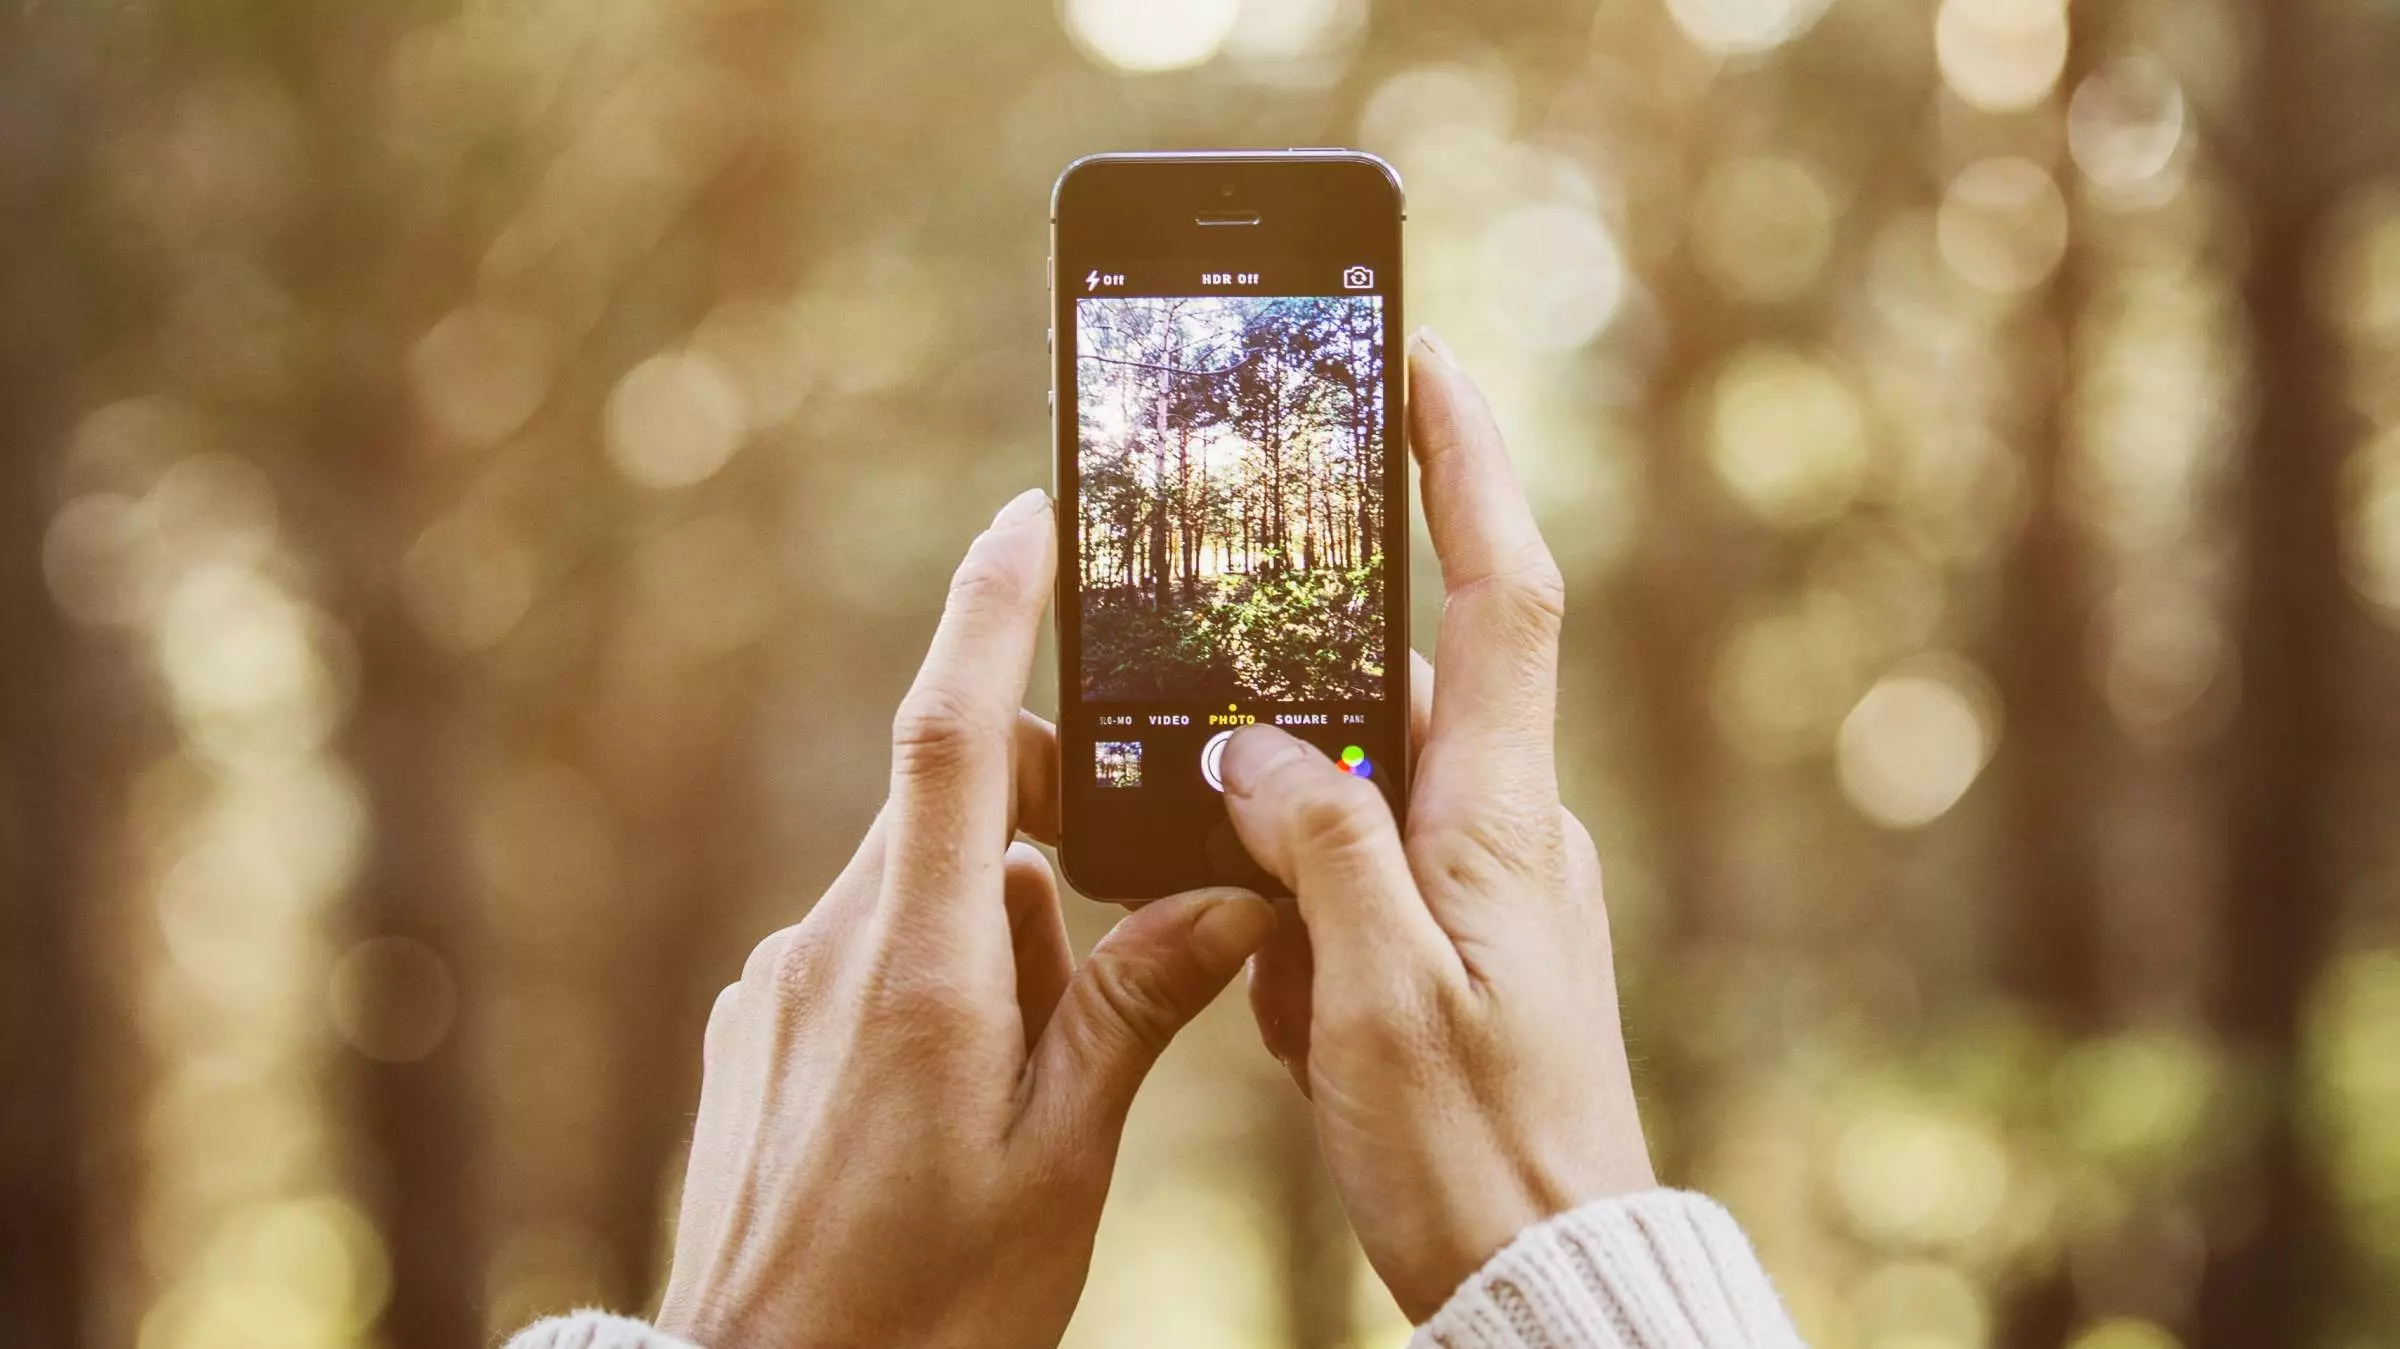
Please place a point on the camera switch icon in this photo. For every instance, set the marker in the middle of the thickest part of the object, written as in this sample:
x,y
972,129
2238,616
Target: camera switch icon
x,y
1358,278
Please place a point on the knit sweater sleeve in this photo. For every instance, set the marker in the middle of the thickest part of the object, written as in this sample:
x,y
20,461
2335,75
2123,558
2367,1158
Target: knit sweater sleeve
x,y
1665,1269
593,1330
1661,1270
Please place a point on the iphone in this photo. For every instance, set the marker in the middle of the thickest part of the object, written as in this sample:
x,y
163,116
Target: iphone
x,y
1228,382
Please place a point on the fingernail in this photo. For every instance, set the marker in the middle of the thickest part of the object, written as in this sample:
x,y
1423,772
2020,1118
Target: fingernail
x,y
1254,752
1021,507
1229,931
1432,341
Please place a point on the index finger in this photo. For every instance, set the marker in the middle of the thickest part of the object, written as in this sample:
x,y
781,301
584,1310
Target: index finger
x,y
953,790
1491,739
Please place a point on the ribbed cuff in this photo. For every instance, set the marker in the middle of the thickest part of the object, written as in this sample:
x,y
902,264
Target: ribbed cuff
x,y
593,1330
1664,1269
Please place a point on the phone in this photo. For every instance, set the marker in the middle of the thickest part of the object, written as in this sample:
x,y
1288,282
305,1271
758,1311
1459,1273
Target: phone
x,y
1228,384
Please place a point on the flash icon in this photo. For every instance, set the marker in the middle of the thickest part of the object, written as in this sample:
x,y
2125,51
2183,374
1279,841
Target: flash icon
x,y
1092,282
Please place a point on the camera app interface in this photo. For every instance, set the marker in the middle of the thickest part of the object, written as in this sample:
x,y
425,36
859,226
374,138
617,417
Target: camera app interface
x,y
1230,521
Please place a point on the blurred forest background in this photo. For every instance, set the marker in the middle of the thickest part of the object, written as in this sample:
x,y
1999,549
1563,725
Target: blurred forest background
x,y
1230,482
480,473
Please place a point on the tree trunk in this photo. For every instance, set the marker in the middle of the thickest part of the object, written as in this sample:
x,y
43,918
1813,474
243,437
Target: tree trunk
x,y
2277,1279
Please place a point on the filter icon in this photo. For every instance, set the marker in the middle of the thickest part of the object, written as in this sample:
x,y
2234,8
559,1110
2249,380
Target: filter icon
x,y
1354,761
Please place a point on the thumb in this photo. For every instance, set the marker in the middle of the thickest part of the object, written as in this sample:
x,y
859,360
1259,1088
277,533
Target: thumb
x,y
1145,981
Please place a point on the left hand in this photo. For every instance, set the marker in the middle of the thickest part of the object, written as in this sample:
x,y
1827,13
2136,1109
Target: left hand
x,y
912,1099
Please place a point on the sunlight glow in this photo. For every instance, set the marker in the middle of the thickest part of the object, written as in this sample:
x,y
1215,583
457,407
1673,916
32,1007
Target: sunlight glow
x,y
1147,36
1742,27
1426,102
1555,278
1296,41
1912,1174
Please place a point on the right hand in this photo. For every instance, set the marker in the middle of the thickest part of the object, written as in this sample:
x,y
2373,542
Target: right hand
x,y
1451,1008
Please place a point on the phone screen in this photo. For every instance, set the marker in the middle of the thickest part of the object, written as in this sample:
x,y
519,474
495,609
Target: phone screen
x,y
1233,520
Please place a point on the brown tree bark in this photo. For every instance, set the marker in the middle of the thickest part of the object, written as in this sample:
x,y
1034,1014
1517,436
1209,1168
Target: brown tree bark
x,y
2274,1279
41,1267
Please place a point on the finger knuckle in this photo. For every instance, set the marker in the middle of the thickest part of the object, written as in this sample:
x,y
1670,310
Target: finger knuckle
x,y
1489,850
921,1009
1137,995
721,1014
936,730
1403,1023
981,582
1342,817
1582,852
1536,593
773,958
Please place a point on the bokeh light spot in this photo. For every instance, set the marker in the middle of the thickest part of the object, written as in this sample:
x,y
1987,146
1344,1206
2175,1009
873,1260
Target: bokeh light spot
x,y
1742,27
467,580
290,1274
226,914
102,560
1145,36
1296,41
674,420
245,665
2125,1333
1910,1175
2358,271
763,349
2372,485
1554,275
392,999
883,310
1426,102
1786,677
1921,1304
2125,124
2353,1064
2140,1098
480,372
1916,742
2003,225
2001,55
1786,435
1762,228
